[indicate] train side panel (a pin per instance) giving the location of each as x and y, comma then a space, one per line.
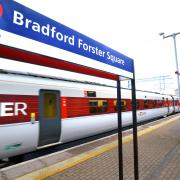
18, 139
76, 128
20, 135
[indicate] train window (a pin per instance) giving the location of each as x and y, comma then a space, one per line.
137, 104
154, 103
176, 102
160, 103
115, 105
90, 93
167, 103
93, 106
171, 103
123, 105
97, 106
102, 105
146, 104
50, 105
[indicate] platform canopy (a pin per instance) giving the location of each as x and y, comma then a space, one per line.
28, 36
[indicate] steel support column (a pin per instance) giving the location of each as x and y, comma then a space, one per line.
135, 138
120, 150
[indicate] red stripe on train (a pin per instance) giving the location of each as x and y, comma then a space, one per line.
12, 110
17, 112
10, 115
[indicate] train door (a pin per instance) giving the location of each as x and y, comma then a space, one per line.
167, 105
49, 117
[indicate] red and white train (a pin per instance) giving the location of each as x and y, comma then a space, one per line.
36, 111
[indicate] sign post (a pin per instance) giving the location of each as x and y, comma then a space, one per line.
135, 137
28, 36
120, 144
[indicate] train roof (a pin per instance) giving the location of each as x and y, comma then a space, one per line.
10, 72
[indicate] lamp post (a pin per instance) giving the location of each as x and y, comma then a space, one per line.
175, 50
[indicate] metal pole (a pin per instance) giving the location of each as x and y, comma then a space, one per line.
135, 138
175, 50
120, 150
177, 67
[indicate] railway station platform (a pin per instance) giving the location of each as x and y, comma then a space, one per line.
159, 157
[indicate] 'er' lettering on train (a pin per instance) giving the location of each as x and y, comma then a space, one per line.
12, 109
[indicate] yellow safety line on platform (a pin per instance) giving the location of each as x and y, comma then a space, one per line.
61, 166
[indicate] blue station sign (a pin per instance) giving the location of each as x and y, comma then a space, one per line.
20, 20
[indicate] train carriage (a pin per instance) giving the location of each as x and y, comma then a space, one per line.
37, 111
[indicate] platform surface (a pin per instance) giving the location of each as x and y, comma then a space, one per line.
159, 158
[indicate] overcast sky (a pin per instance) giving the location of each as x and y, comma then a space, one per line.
130, 27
